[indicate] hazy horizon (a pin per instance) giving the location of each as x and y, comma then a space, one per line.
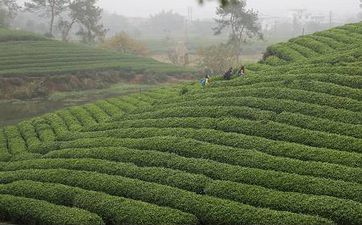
145, 8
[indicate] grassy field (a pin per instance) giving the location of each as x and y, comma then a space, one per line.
28, 54
282, 145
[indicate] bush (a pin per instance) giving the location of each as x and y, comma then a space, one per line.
340, 211
16, 143
232, 140
234, 156
207, 209
30, 211
184, 90
113, 210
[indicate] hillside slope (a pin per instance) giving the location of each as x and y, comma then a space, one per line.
23, 53
282, 145
29, 61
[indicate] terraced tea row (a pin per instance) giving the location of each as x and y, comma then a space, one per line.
282, 145
27, 54
311, 46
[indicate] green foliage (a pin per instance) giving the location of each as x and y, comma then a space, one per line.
323, 206
113, 210
30, 211
208, 209
27, 54
281, 145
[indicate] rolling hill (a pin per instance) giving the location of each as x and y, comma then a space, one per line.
282, 145
23, 53
30, 63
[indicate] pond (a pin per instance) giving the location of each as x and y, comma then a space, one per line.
13, 111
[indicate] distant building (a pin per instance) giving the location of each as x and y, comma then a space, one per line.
302, 16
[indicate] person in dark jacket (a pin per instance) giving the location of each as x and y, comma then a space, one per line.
228, 74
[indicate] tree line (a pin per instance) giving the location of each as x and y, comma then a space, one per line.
62, 14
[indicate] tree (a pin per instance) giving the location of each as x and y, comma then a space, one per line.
217, 58
52, 8
124, 43
87, 16
242, 23
8, 10
223, 3
167, 21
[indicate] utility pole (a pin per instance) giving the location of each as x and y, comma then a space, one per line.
190, 12
331, 18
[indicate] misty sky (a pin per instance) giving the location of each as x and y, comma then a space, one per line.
145, 8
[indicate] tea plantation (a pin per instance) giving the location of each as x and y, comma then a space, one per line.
282, 145
23, 53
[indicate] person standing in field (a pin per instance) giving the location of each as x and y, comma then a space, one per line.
228, 74
204, 82
241, 71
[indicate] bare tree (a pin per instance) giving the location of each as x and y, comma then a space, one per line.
242, 24
52, 8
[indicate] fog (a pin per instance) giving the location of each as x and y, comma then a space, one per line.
145, 8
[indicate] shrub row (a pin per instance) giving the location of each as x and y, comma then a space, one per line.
354, 35
71, 58
311, 86
113, 210
275, 105
47, 58
137, 101
98, 114
278, 106
4, 153
122, 105
30, 211
236, 156
284, 52
57, 123
340, 211
276, 148
288, 94
174, 178
314, 123
305, 183
16, 143
44, 130
352, 70
328, 41
327, 77
310, 43
210, 168
12, 35
72, 123
267, 129
305, 51
278, 130
29, 133
107, 107
274, 61
314, 86
272, 147
338, 36
82, 116
208, 210
291, 200
193, 111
